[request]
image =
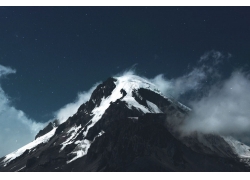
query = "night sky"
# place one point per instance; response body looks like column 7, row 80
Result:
column 60, row 51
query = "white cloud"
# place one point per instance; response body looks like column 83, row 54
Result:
column 196, row 79
column 220, row 107
column 70, row 109
column 164, row 85
column 192, row 81
column 181, row 85
column 224, row 110
column 6, row 70
column 214, row 56
column 16, row 129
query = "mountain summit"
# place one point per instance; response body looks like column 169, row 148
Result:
column 127, row 125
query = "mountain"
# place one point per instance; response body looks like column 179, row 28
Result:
column 127, row 125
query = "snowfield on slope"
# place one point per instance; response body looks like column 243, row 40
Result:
column 240, row 149
column 43, row 139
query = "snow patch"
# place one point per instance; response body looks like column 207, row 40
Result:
column 133, row 118
column 184, row 107
column 20, row 169
column 82, row 147
column 72, row 136
column 242, row 150
column 43, row 139
column 132, row 103
column 153, row 107
column 131, row 82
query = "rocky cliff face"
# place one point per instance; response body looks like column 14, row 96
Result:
column 125, row 126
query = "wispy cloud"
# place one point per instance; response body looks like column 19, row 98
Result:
column 223, row 110
column 197, row 78
column 219, row 105
column 70, row 109
column 206, row 70
column 6, row 70
column 16, row 129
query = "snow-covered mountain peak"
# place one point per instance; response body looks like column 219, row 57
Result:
column 126, row 88
column 114, row 90
column 130, row 82
column 124, row 116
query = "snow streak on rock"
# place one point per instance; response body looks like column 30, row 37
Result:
column 43, row 139
column 240, row 149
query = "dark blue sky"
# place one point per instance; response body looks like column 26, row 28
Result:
column 59, row 51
